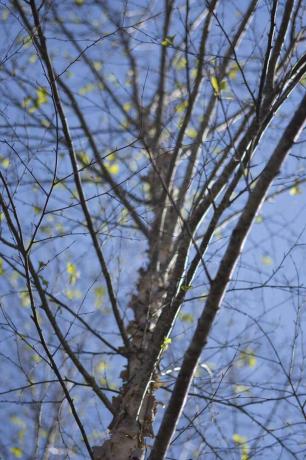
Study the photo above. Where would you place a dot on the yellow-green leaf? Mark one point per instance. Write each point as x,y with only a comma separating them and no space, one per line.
33,104
60,228
267,260
233,71
75,194
33,58
252,361
26,102
25,299
36,358
239,439
101,366
181,107
125,124
295,190
18,421
45,123
33,108
123,218
238,389
168,40
180,63
223,85
99,294
186,287
16,451
127,106
192,133
21,435
186,317
215,84
97,65
72,272
166,343
86,89
45,229
42,96
112,168
5,162
259,219
246,358
27,41
1,267
84,157
194,72
218,234
244,452
79,2
72,294
303,80
242,442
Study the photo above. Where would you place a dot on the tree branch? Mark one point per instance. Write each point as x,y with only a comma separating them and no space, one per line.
218,289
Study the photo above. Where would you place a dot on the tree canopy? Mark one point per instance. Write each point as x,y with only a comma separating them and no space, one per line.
152,229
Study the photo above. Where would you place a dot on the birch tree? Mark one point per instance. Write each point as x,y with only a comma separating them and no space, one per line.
152,161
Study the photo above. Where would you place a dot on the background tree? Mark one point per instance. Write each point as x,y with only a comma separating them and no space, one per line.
139,142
